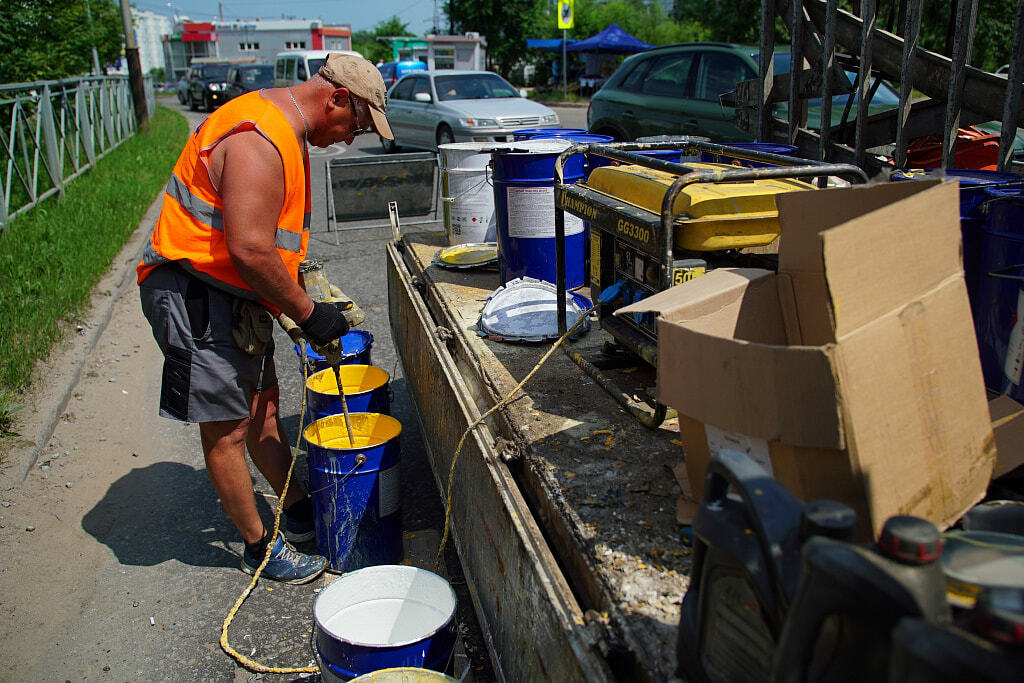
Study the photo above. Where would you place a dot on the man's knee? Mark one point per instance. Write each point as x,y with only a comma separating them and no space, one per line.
223,434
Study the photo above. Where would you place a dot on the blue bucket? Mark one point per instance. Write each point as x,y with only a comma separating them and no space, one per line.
524,206
973,183
356,507
974,187
355,350
999,313
366,391
527,133
381,618
765,147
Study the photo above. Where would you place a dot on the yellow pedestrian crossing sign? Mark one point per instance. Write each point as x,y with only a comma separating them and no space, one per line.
565,14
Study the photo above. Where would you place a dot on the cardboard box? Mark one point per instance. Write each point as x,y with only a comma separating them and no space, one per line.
1008,427
853,373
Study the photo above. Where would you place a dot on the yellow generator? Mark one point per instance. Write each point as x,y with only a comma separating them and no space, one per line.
655,224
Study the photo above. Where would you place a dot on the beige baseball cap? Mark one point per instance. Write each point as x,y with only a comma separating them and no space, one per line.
364,81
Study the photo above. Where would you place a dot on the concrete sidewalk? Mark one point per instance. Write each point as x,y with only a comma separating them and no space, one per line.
117,561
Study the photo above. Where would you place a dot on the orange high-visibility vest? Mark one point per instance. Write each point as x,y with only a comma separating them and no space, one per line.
190,230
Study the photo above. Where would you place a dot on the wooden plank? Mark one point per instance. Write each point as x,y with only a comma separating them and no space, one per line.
535,629
911,35
966,15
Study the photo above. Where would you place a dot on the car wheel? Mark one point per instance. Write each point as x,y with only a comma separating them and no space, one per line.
192,104
389,146
444,135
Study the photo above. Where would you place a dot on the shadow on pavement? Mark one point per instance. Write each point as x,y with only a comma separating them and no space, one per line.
166,511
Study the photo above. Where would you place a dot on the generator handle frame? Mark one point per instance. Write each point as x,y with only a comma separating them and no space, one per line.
796,168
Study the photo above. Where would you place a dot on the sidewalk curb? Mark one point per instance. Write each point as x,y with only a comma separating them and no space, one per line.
39,421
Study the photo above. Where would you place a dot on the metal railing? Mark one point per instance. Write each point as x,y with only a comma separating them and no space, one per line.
52,131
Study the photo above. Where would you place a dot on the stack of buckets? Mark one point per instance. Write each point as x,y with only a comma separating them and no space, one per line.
504,192
380,614
992,224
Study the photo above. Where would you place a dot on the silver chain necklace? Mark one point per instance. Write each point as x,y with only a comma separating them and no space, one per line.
305,125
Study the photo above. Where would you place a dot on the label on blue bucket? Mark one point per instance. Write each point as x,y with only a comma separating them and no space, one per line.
390,491
531,213
1014,363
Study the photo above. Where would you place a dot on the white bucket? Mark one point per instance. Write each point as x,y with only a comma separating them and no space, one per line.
466,191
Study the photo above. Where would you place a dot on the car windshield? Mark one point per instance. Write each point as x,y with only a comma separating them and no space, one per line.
473,87
261,75
215,71
885,95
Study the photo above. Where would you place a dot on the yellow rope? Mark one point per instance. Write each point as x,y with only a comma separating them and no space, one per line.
475,423
225,645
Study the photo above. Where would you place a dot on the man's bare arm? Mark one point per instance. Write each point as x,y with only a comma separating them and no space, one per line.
252,188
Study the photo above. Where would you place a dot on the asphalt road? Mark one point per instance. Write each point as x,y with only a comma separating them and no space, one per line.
117,561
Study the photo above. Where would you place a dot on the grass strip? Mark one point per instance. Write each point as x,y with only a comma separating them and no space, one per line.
53,255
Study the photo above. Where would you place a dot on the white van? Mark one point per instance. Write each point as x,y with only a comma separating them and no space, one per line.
297,66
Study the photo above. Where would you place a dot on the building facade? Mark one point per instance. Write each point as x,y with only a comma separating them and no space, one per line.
442,52
256,40
150,29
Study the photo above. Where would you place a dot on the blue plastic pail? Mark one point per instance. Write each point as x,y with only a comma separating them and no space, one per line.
765,147
366,391
999,310
974,189
355,349
973,183
527,133
356,506
384,617
524,204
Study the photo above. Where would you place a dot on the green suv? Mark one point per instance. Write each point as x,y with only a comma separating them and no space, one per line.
673,90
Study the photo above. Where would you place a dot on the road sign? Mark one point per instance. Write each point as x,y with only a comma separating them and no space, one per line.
565,14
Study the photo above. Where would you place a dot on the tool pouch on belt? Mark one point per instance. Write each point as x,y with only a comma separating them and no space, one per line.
252,327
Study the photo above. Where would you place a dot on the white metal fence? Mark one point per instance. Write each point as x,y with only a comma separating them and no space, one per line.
52,131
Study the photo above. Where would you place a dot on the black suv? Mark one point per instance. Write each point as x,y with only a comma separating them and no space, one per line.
207,86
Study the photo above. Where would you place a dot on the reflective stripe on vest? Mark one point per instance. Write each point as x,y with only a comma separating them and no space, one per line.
190,230
214,217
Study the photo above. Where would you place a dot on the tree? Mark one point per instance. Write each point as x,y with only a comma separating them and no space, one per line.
505,25
368,43
50,39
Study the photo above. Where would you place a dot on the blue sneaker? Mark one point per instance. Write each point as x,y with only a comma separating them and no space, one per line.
295,530
286,563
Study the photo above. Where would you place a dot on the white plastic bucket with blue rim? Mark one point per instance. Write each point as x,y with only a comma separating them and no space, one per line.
384,617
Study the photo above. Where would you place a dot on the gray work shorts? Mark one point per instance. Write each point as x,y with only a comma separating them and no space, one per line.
206,377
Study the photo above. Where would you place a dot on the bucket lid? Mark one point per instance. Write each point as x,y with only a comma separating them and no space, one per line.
526,310
673,138
465,256
968,177
402,674
984,559
537,146
353,343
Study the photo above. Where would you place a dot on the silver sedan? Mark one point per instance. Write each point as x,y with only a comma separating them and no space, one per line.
431,108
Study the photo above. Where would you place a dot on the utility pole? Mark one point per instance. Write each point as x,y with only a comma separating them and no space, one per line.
131,53
95,55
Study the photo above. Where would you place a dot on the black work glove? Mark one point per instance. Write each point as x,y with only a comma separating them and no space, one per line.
326,323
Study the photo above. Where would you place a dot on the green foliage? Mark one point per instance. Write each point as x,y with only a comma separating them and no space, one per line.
506,25
51,256
368,44
158,74
49,39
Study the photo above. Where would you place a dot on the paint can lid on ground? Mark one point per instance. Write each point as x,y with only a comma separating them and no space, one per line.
462,256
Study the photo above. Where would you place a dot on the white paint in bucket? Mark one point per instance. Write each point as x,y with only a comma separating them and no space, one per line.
385,606
467,194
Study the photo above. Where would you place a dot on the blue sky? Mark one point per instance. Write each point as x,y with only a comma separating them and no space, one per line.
362,15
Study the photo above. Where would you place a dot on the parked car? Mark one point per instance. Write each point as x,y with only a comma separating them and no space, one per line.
431,108
683,89
207,85
182,88
245,78
297,66
392,71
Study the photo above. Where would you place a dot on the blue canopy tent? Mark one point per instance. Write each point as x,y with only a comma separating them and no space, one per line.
600,50
612,40
552,44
